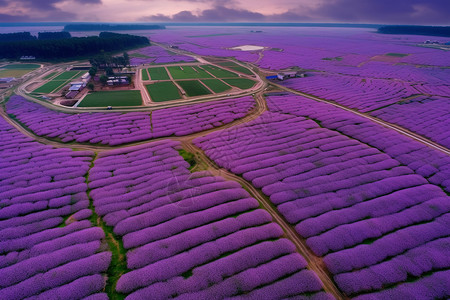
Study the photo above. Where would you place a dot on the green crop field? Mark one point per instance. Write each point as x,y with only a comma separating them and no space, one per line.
112,98
188,72
216,85
397,54
242,70
17,70
58,82
242,83
218,72
163,91
158,73
193,88
53,85
68,75
50,75
144,74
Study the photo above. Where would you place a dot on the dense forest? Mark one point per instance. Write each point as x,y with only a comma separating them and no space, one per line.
417,30
110,27
54,35
71,47
16,36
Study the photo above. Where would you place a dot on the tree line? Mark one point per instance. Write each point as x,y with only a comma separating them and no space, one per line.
417,30
71,47
110,27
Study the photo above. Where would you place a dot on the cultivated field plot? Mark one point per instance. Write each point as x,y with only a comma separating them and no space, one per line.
363,94
431,164
163,91
192,235
382,228
216,85
156,55
193,88
17,70
112,98
236,67
49,248
158,73
122,128
57,83
242,83
218,72
145,74
187,72
428,116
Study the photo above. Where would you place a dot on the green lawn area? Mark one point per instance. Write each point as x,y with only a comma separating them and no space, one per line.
163,91
397,54
193,88
242,83
50,86
242,70
158,73
216,85
50,75
188,72
58,82
112,98
68,75
218,72
17,70
144,74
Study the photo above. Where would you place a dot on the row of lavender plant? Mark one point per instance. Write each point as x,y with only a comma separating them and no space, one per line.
192,235
363,94
156,55
48,247
121,128
425,161
371,218
427,116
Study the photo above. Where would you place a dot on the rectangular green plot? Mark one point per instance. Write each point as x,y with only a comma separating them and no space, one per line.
144,74
112,98
397,54
163,91
21,67
242,83
67,75
50,86
193,88
188,72
158,73
17,70
216,85
242,70
50,75
219,72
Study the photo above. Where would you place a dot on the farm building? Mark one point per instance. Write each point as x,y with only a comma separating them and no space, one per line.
284,75
118,80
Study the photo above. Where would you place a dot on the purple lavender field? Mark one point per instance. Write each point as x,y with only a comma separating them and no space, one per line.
177,227
49,249
332,184
122,128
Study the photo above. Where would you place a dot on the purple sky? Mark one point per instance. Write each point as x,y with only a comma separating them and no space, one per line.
355,11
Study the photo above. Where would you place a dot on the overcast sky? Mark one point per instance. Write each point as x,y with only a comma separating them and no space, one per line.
355,11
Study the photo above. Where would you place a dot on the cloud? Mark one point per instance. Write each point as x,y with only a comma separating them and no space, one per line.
221,13
358,11
42,10
385,11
